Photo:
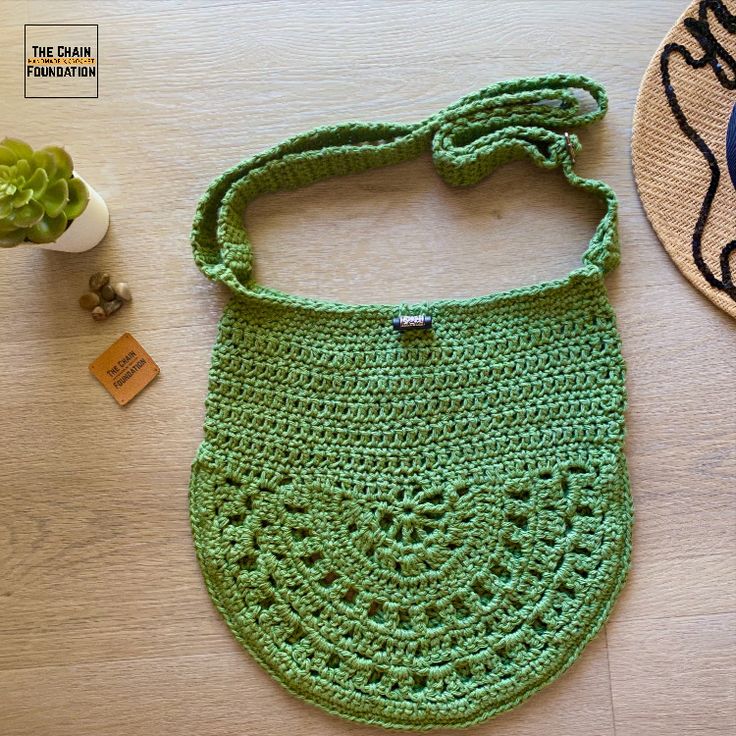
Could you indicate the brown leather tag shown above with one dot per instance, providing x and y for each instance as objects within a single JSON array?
[{"x": 124, "y": 369}]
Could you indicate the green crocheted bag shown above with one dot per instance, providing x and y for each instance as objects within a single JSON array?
[{"x": 415, "y": 527}]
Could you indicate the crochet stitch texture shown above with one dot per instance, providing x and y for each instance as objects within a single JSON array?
[{"x": 415, "y": 529}]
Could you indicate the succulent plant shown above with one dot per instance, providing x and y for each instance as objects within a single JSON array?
[{"x": 39, "y": 194}]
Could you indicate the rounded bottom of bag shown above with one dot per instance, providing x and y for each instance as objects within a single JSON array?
[{"x": 415, "y": 606}]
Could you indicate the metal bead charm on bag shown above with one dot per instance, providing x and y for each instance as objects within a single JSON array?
[{"x": 412, "y": 322}]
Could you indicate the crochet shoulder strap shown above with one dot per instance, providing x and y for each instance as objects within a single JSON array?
[{"x": 468, "y": 140}]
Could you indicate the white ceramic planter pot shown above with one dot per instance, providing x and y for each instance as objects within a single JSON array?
[{"x": 87, "y": 230}]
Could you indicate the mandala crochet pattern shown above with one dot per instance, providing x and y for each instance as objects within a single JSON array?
[{"x": 414, "y": 529}]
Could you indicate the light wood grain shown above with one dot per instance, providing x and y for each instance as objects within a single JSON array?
[{"x": 105, "y": 626}]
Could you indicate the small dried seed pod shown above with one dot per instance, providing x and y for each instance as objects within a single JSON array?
[
  {"x": 89, "y": 300},
  {"x": 98, "y": 280},
  {"x": 111, "y": 306},
  {"x": 123, "y": 291},
  {"x": 107, "y": 293},
  {"x": 98, "y": 313}
]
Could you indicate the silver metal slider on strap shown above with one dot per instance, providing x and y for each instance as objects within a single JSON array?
[{"x": 570, "y": 149}]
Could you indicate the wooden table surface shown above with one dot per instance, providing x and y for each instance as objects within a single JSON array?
[{"x": 105, "y": 624}]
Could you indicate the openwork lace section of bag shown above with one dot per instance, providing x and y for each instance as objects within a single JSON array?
[{"x": 415, "y": 529}]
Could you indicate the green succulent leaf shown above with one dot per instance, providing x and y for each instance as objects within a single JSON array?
[
  {"x": 7, "y": 157},
  {"x": 38, "y": 182},
  {"x": 6, "y": 180},
  {"x": 6, "y": 226},
  {"x": 12, "y": 237},
  {"x": 6, "y": 207},
  {"x": 27, "y": 215},
  {"x": 23, "y": 169},
  {"x": 48, "y": 229},
  {"x": 44, "y": 160},
  {"x": 55, "y": 197},
  {"x": 22, "y": 197},
  {"x": 20, "y": 148},
  {"x": 78, "y": 198},
  {"x": 64, "y": 163}
]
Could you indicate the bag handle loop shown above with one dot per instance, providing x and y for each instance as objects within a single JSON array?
[{"x": 468, "y": 139}]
